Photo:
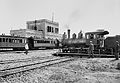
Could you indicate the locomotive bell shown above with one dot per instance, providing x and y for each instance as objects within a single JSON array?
[{"x": 74, "y": 36}]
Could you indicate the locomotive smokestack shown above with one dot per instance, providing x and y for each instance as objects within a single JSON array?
[{"x": 68, "y": 33}]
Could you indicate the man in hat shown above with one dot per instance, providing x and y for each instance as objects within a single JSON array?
[
  {"x": 117, "y": 50},
  {"x": 91, "y": 49},
  {"x": 26, "y": 48}
]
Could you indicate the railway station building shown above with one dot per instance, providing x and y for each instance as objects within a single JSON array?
[
  {"x": 39, "y": 29},
  {"x": 50, "y": 29}
]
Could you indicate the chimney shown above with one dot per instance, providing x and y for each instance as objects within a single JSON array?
[{"x": 68, "y": 33}]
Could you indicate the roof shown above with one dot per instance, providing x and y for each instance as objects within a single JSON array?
[
  {"x": 43, "y": 20},
  {"x": 99, "y": 32},
  {"x": 11, "y": 36}
]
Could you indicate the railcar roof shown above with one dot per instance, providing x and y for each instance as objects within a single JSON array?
[
  {"x": 11, "y": 36},
  {"x": 42, "y": 39},
  {"x": 98, "y": 32},
  {"x": 76, "y": 39}
]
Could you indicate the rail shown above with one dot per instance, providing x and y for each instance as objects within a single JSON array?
[{"x": 14, "y": 70}]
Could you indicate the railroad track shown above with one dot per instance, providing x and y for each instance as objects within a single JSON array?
[
  {"x": 83, "y": 55},
  {"x": 24, "y": 60},
  {"x": 15, "y": 70}
]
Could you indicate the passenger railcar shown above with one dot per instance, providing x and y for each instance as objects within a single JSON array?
[
  {"x": 12, "y": 42},
  {"x": 18, "y": 43},
  {"x": 41, "y": 43}
]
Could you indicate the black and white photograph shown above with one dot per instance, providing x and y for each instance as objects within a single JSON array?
[{"x": 59, "y": 41}]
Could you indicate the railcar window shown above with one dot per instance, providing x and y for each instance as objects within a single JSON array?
[
  {"x": 47, "y": 41},
  {"x": 13, "y": 40},
  {"x": 20, "y": 40},
  {"x": 98, "y": 36},
  {"x": 94, "y": 36},
  {"x": 47, "y": 28},
  {"x": 87, "y": 36},
  {"x": 39, "y": 41},
  {"x": 51, "y": 42},
  {"x": 6, "y": 39},
  {"x": 56, "y": 30},
  {"x": 0, "y": 39},
  {"x": 16, "y": 40},
  {"x": 3, "y": 39},
  {"x": 10, "y": 40},
  {"x": 91, "y": 36},
  {"x": 24, "y": 41},
  {"x": 52, "y": 30}
]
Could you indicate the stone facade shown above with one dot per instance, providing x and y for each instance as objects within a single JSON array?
[
  {"x": 39, "y": 29},
  {"x": 49, "y": 28},
  {"x": 27, "y": 33}
]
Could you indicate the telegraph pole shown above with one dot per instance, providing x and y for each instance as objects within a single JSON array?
[
  {"x": 52, "y": 17},
  {"x": 35, "y": 28}
]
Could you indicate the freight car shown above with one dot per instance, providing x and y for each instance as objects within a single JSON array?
[
  {"x": 18, "y": 43},
  {"x": 110, "y": 44}
]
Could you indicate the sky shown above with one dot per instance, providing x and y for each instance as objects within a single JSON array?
[{"x": 85, "y": 15}]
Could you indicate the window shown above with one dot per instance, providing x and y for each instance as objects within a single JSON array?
[
  {"x": 10, "y": 40},
  {"x": 87, "y": 36},
  {"x": 6, "y": 39},
  {"x": 48, "y": 28},
  {"x": 51, "y": 42},
  {"x": 40, "y": 41},
  {"x": 34, "y": 42},
  {"x": 56, "y": 30},
  {"x": 0, "y": 39},
  {"x": 3, "y": 39},
  {"x": 52, "y": 30},
  {"x": 91, "y": 36},
  {"x": 20, "y": 40},
  {"x": 94, "y": 36},
  {"x": 13, "y": 40},
  {"x": 23, "y": 41},
  {"x": 98, "y": 36}
]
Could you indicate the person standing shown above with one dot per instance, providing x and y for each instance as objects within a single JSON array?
[
  {"x": 117, "y": 50},
  {"x": 26, "y": 48},
  {"x": 91, "y": 49}
]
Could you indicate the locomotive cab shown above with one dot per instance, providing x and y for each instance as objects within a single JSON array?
[{"x": 97, "y": 38}]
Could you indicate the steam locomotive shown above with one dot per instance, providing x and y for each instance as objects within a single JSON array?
[
  {"x": 81, "y": 44},
  {"x": 18, "y": 43}
]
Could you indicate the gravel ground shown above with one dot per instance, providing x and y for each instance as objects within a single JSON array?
[
  {"x": 21, "y": 55},
  {"x": 82, "y": 70},
  {"x": 17, "y": 55}
]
